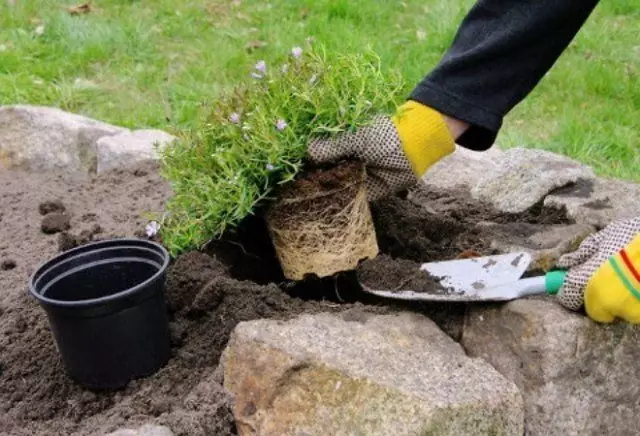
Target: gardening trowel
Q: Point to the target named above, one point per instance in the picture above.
(489, 278)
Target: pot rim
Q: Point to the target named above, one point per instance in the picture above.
(87, 248)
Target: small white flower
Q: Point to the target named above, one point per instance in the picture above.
(235, 118)
(313, 79)
(296, 52)
(261, 66)
(270, 167)
(256, 75)
(151, 229)
(40, 30)
(281, 124)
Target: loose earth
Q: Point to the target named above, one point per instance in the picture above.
(208, 293)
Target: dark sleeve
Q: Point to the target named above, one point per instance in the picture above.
(501, 51)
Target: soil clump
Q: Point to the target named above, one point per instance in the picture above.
(7, 264)
(395, 275)
(55, 222)
(49, 206)
(67, 240)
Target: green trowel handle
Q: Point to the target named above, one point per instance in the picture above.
(553, 281)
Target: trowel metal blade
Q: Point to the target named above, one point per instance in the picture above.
(465, 278)
(473, 274)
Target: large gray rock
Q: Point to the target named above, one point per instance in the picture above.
(524, 177)
(145, 430)
(46, 139)
(363, 374)
(598, 202)
(576, 377)
(43, 138)
(463, 169)
(128, 148)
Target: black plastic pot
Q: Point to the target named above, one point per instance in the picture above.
(105, 303)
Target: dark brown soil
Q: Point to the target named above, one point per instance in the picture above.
(322, 191)
(67, 241)
(205, 304)
(387, 274)
(321, 180)
(49, 206)
(8, 264)
(55, 222)
(237, 279)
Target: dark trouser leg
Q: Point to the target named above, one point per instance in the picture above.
(501, 51)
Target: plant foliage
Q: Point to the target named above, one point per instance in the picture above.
(256, 137)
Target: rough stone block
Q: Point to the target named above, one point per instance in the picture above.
(524, 177)
(128, 148)
(42, 139)
(598, 202)
(463, 169)
(145, 430)
(544, 243)
(577, 377)
(366, 375)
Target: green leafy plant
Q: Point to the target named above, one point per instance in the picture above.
(256, 137)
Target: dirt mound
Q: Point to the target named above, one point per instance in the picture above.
(237, 279)
(205, 303)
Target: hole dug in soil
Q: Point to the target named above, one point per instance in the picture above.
(208, 293)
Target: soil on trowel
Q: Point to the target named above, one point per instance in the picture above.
(384, 273)
(208, 293)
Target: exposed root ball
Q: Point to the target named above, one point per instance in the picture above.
(322, 224)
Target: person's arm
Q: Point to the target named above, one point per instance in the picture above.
(501, 51)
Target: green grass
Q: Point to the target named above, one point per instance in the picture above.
(160, 63)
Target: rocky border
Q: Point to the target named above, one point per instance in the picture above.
(530, 366)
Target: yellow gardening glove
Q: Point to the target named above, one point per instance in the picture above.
(397, 150)
(604, 274)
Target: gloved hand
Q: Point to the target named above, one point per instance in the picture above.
(604, 274)
(396, 150)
